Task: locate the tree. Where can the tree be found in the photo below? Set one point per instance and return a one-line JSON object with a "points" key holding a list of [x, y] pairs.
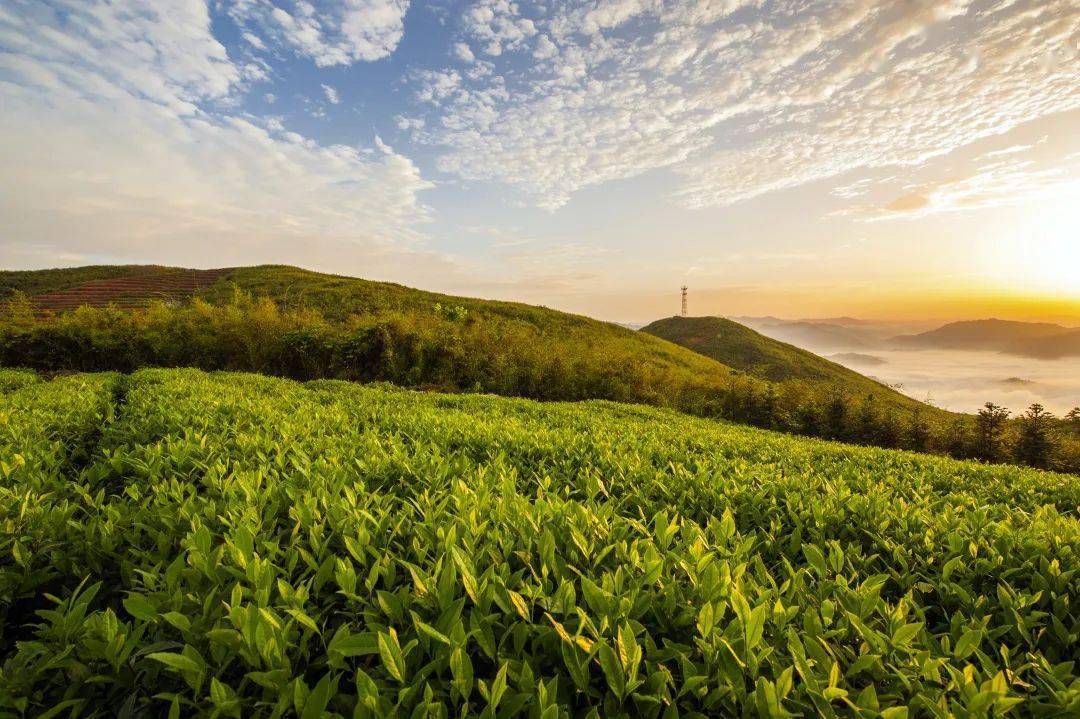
{"points": [[956, 441], [749, 407], [888, 434], [731, 400], [989, 425], [1072, 420], [918, 431], [1033, 445], [836, 416], [868, 421], [768, 407], [807, 421]]}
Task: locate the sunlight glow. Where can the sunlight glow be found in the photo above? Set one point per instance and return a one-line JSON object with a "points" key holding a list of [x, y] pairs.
{"points": [[1053, 253]]}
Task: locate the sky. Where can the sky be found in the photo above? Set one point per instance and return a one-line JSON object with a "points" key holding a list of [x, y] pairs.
{"points": [[906, 159]]}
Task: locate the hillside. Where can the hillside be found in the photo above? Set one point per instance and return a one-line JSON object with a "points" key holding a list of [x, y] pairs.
{"points": [[310, 325], [41, 282], [991, 334], [306, 325], [1055, 346], [194, 544], [748, 351]]}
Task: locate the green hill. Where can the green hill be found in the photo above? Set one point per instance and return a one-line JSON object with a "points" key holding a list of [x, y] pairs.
{"points": [[308, 325], [217, 545], [738, 346], [38, 282], [305, 325]]}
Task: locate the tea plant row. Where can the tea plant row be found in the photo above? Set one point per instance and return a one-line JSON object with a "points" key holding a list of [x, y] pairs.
{"points": [[187, 544]]}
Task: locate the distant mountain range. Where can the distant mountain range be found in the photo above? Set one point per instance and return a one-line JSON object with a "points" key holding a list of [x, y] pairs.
{"points": [[858, 358], [829, 335], [1029, 339], [848, 337]]}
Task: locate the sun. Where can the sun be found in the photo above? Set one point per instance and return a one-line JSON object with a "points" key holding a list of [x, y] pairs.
{"points": [[1040, 254], [1054, 253]]}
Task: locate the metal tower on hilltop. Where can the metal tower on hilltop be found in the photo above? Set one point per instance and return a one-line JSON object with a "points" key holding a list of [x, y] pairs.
{"points": [[684, 288]]}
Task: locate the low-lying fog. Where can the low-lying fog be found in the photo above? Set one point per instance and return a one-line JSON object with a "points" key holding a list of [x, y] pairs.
{"points": [[965, 380], [959, 380]]}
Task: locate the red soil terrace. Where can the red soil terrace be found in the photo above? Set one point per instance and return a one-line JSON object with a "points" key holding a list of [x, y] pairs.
{"points": [[129, 292]]}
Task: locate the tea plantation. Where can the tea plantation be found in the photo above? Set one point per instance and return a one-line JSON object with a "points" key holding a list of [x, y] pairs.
{"points": [[175, 543]]}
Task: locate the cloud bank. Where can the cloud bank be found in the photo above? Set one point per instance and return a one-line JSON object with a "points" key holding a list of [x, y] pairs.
{"points": [[739, 97], [120, 138]]}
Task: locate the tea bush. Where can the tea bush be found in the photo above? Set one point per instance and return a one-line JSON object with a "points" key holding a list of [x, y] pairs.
{"points": [[12, 379], [236, 545]]}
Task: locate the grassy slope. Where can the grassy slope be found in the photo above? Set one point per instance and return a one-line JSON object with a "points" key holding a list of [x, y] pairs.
{"points": [[36, 282], [339, 297], [513, 329], [661, 349], [728, 344], [748, 351], [291, 533]]}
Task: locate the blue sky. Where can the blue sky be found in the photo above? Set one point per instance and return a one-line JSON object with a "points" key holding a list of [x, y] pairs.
{"points": [[783, 157]]}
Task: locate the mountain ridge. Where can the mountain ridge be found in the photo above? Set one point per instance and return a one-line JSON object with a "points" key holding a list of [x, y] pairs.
{"points": [[990, 334]]}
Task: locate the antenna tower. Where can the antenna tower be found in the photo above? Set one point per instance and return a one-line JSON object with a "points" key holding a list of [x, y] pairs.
{"points": [[684, 288]]}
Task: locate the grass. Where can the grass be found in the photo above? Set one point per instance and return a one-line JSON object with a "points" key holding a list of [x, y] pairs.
{"points": [[191, 544]]}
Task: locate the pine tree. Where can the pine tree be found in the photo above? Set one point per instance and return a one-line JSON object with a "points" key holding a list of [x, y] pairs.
{"points": [[1033, 445], [989, 425], [868, 421], [1072, 420]]}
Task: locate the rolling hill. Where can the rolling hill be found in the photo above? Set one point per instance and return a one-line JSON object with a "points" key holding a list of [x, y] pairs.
{"points": [[321, 325], [728, 344], [990, 334], [306, 325], [735, 345], [42, 282], [1055, 346]]}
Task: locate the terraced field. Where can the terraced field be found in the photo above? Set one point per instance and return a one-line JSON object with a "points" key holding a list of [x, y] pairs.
{"points": [[129, 292], [177, 543]]}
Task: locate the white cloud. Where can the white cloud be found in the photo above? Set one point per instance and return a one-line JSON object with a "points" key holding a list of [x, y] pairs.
{"points": [[464, 53], [498, 26], [338, 32], [331, 94], [740, 97], [99, 98], [408, 123], [1007, 181], [545, 49], [254, 40]]}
